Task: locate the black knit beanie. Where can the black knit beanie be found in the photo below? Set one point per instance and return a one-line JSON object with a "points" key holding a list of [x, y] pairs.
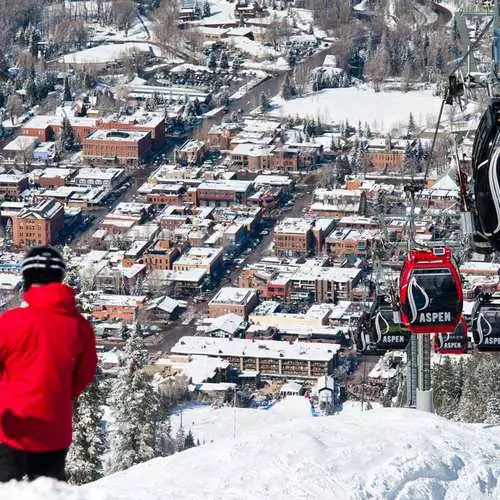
{"points": [[42, 265]]}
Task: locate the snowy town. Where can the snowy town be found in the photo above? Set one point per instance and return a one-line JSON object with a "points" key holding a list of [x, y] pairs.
{"points": [[268, 211]]}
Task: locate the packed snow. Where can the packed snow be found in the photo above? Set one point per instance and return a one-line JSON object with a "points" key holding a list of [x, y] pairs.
{"points": [[107, 53], [381, 453], [381, 110]]}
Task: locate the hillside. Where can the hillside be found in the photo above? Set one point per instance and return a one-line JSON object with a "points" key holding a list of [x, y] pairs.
{"points": [[383, 453]]}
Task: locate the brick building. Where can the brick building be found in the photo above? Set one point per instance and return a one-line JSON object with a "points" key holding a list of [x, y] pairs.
{"points": [[154, 123], [344, 242], [240, 301], [220, 136], [13, 185], [53, 177], [386, 155], [118, 146], [293, 237], [38, 225], [118, 307], [161, 254], [223, 192], [48, 127]]}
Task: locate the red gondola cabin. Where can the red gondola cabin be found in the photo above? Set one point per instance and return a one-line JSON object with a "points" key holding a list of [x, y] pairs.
{"points": [[430, 291]]}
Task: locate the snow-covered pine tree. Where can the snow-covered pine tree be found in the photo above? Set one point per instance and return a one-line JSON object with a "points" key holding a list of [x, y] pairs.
{"points": [[264, 101], [67, 135], [180, 439], [66, 90], [411, 126], [445, 400], [189, 440], [30, 91], [84, 461], [224, 62], [212, 61], [134, 407], [492, 415], [206, 9]]}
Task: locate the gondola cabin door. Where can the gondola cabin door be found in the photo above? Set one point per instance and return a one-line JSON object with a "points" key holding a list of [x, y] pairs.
{"points": [[452, 343], [486, 323], [386, 332], [430, 291]]}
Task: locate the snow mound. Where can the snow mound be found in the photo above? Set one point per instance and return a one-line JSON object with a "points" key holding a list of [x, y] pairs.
{"points": [[380, 454]]}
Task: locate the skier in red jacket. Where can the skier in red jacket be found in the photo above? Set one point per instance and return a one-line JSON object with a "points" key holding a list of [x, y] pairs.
{"points": [[47, 358]]}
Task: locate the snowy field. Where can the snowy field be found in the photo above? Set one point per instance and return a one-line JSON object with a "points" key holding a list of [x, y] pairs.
{"points": [[208, 424], [383, 111], [379, 454], [106, 53]]}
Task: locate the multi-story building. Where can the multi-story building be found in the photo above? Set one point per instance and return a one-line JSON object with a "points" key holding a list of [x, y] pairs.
{"points": [[118, 307], [13, 185], [338, 202], [191, 152], [293, 237], [240, 301], [253, 157], [38, 225], [48, 127], [208, 259], [107, 177], [344, 242], [128, 147], [162, 254], [386, 155], [272, 358], [53, 177], [162, 194], [324, 284], [223, 193], [141, 121], [220, 136]]}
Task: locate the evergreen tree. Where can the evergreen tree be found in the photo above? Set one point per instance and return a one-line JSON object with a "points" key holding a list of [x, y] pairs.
{"points": [[30, 91], [67, 135], [206, 9], [4, 67], [492, 415], [224, 63], [264, 102], [446, 398], [197, 11], [66, 90], [411, 126], [189, 440], [135, 408], [180, 439], [212, 61], [84, 462], [368, 132], [343, 169], [288, 90]]}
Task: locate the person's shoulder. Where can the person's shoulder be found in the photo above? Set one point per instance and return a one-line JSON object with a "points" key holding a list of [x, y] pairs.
{"points": [[15, 313], [85, 324]]}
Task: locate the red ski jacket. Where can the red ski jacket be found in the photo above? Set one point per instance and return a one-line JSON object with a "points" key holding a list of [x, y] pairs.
{"points": [[47, 358]]}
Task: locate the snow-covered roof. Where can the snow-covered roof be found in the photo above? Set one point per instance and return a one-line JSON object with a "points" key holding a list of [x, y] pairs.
{"points": [[213, 346]]}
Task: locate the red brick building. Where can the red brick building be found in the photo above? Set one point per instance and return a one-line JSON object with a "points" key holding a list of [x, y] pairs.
{"points": [[38, 225], [118, 146], [13, 185]]}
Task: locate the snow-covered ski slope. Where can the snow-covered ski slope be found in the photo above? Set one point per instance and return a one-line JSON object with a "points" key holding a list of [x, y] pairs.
{"points": [[378, 454]]}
